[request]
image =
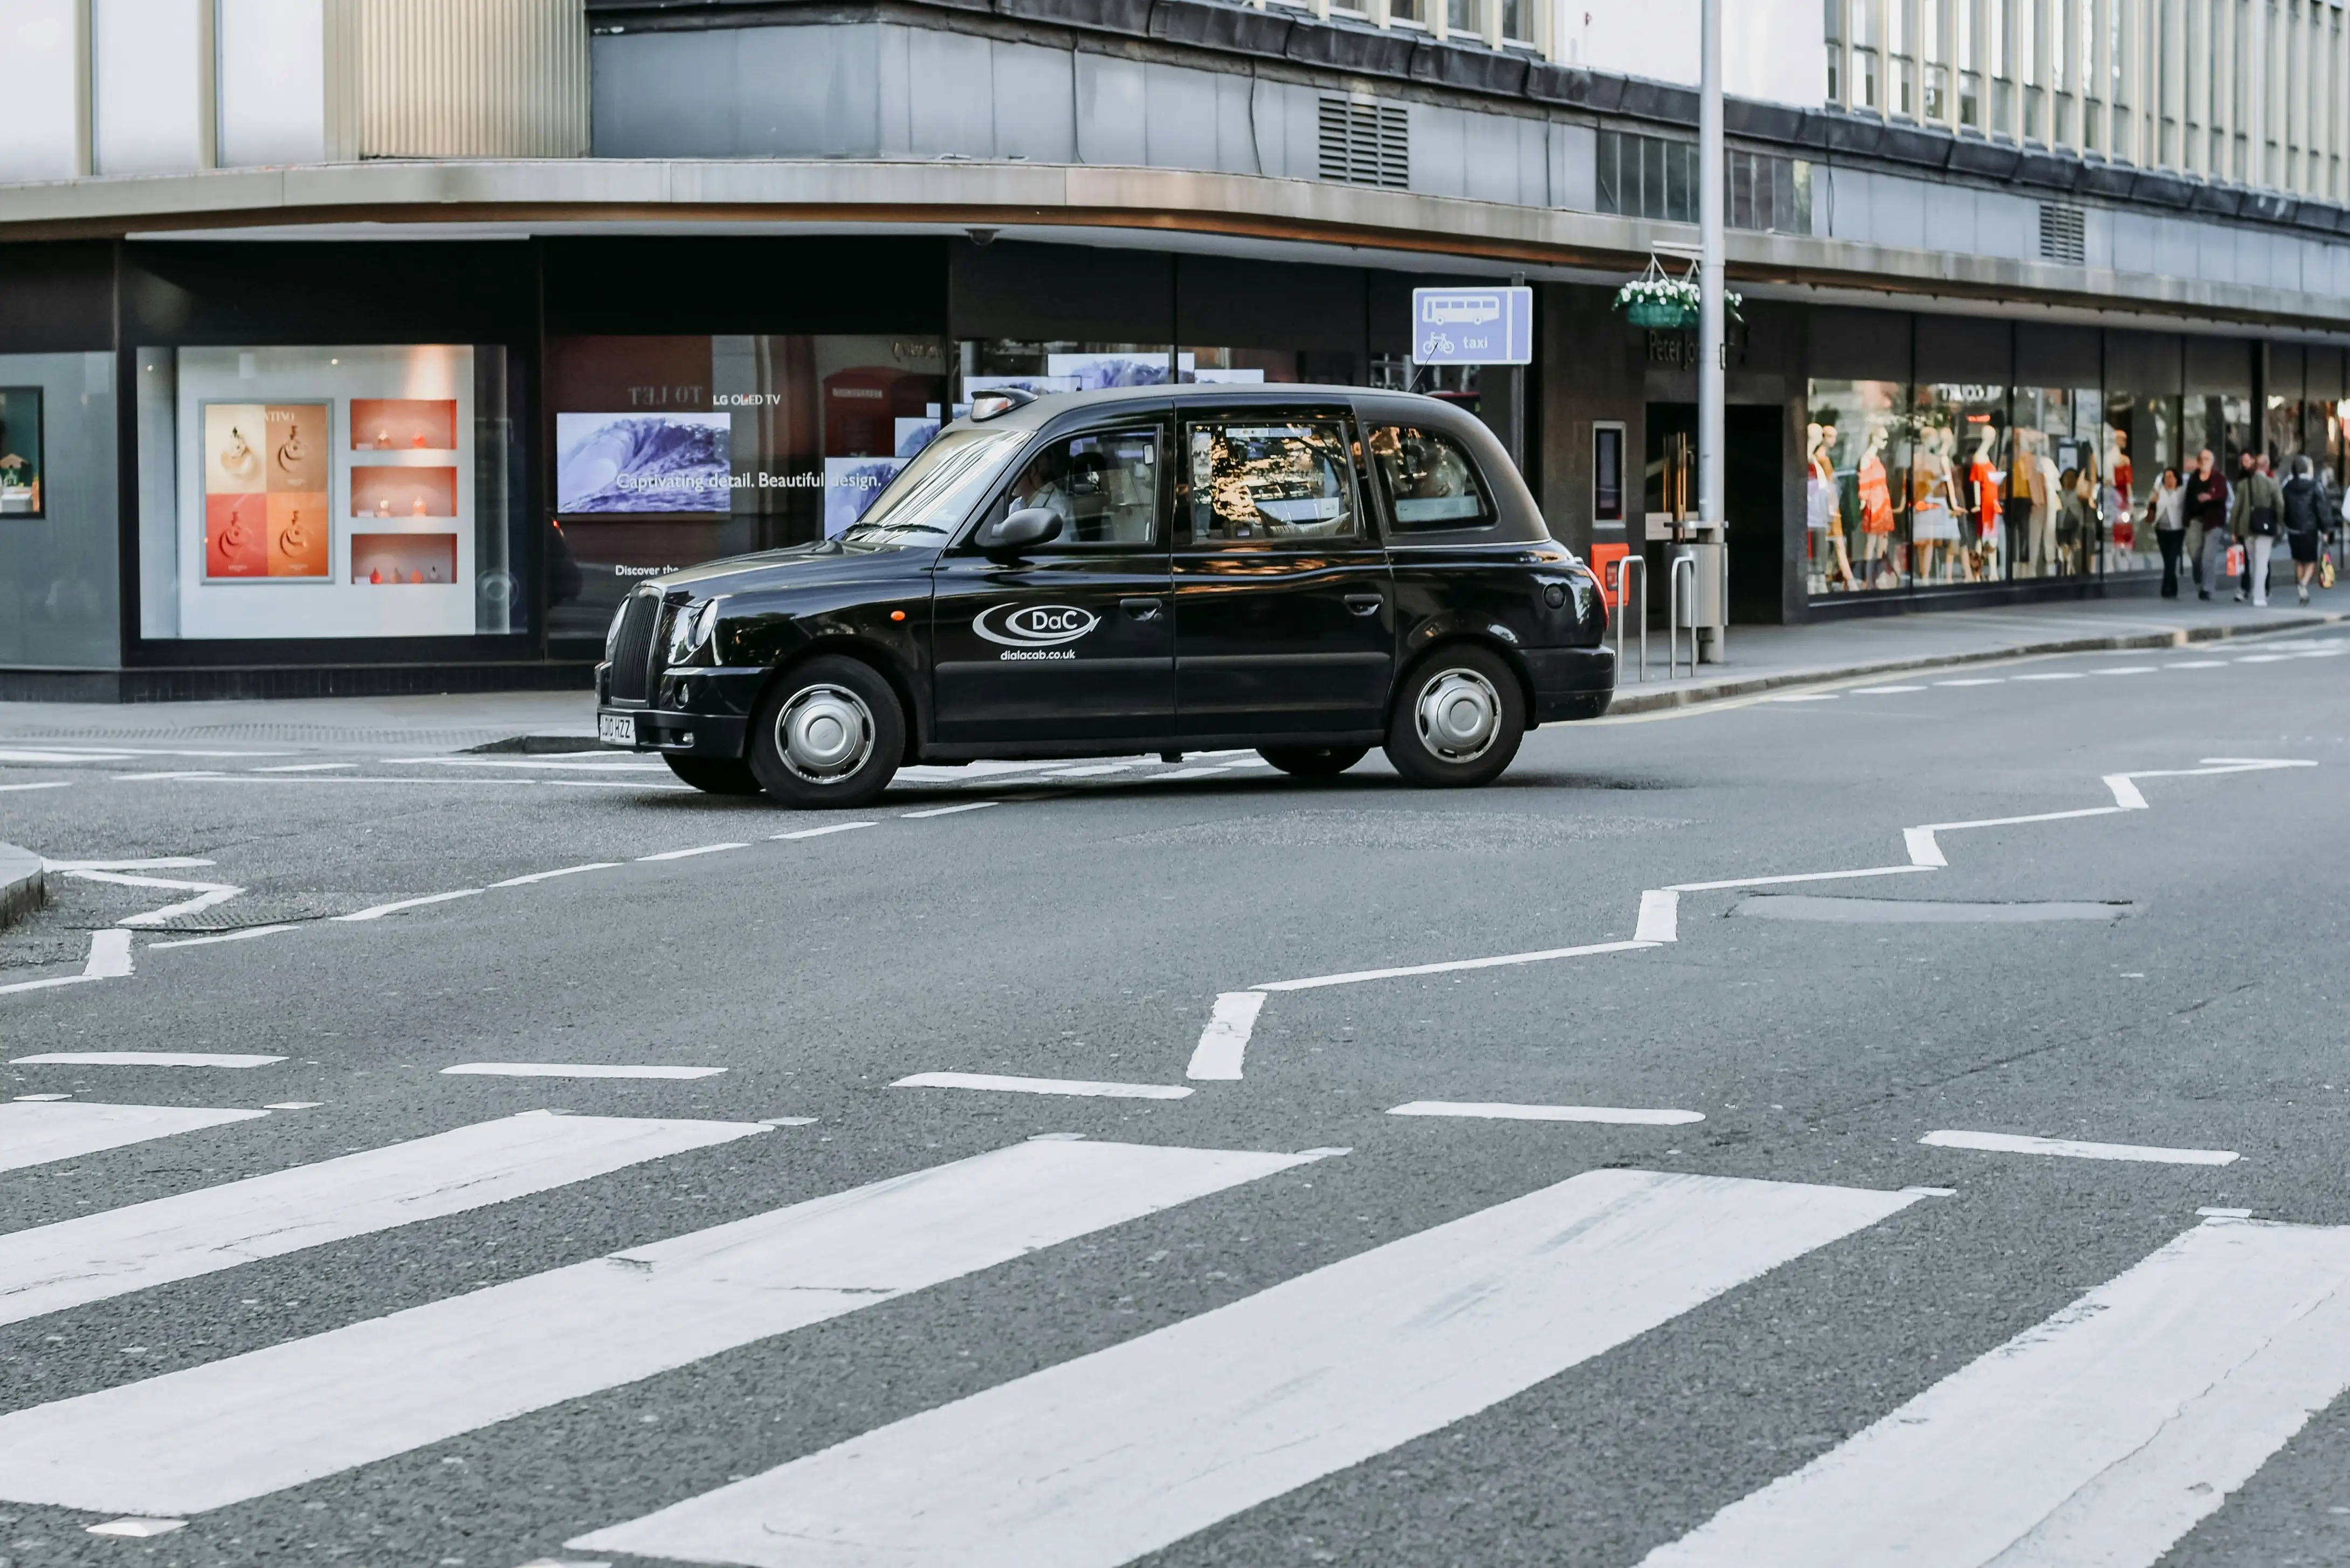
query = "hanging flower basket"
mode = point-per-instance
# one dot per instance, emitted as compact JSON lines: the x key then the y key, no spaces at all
{"x":1665,"y":304}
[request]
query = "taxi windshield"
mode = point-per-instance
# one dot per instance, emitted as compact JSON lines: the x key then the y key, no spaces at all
{"x":936,"y":490}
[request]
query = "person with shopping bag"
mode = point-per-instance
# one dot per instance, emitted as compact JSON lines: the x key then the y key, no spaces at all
{"x":2305,"y":519}
{"x":2256,"y":520}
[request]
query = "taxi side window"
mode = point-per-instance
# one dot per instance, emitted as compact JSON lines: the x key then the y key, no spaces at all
{"x":1104,"y":485}
{"x":1432,"y":487}
{"x":1269,"y":480}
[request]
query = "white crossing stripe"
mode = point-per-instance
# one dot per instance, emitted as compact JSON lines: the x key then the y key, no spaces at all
{"x":147,"y":1058}
{"x":1495,"y":1110}
{"x":377,"y":911}
{"x":689,"y":854}
{"x":253,"y":1423}
{"x":1105,"y":1459}
{"x":948,"y":810}
{"x":75,"y":1261}
{"x":1042,"y":1085}
{"x":2072,"y":1148}
{"x":1223,"y":1044}
{"x":2102,"y":1436}
{"x":38,"y":1132}
{"x":570,"y":1070}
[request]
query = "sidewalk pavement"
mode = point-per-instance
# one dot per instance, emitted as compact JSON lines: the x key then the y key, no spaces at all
{"x":1761,"y":659}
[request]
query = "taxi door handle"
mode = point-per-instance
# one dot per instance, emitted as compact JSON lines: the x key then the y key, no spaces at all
{"x":1365,"y":604}
{"x":1142,"y":608}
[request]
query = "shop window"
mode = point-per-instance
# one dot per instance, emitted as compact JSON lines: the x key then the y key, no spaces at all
{"x":1431,"y":487}
{"x":671,"y":451}
{"x":327,"y":491}
{"x":1271,"y":480}
{"x":1856,"y":513}
{"x":2142,"y":439}
{"x":1648,"y":176}
{"x":20,"y":452}
{"x":1772,"y":194}
{"x":2059,"y":442}
{"x":1957,"y":512}
{"x":60,"y":574}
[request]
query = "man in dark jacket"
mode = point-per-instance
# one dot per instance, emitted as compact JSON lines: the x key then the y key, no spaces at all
{"x":2257,"y":517}
{"x":2207,"y":510}
{"x":2304,"y":517}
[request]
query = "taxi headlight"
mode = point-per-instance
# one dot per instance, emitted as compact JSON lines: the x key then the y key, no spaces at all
{"x":690,"y":630}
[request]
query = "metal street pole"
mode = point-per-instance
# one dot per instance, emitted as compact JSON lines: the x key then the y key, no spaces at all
{"x":1712,"y":356}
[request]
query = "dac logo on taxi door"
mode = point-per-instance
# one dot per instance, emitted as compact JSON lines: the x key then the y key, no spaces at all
{"x":1035,"y":631}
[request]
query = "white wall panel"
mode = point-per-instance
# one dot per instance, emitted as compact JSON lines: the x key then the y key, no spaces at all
{"x":2007,"y":225}
{"x":948,"y":79}
{"x":1179,"y":118}
{"x":1775,"y":50}
{"x":1439,"y":155}
{"x":1112,"y":104}
{"x":41,"y":107}
{"x":1036,"y":103}
{"x":151,"y":109}
{"x":272,"y":91}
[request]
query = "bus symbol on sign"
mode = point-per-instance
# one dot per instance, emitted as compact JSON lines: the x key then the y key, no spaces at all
{"x":1473,"y":325}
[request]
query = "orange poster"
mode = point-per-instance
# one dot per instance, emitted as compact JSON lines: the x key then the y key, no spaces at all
{"x":236,"y":536}
{"x":296,"y":456}
{"x":297,"y":535}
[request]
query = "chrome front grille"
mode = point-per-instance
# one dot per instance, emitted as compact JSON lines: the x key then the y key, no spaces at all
{"x":632,"y":649}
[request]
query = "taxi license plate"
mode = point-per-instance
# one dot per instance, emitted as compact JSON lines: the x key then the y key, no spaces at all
{"x":617,"y":729}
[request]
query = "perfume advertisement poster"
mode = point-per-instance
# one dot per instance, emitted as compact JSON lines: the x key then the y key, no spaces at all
{"x":850,"y":486}
{"x":403,"y":425}
{"x":643,"y":463}
{"x":407,"y":560}
{"x":234,"y":437}
{"x":298,"y":534}
{"x":20,"y":452}
{"x":236,"y":536}
{"x":297,"y":461}
{"x":404,"y":492}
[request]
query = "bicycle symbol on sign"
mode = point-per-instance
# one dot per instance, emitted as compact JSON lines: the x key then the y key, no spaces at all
{"x":1435,"y":345}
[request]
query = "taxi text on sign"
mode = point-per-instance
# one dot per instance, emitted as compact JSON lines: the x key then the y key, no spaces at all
{"x":1473,"y":325}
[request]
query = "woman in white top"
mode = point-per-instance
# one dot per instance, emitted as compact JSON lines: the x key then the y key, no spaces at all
{"x":2169,"y":526}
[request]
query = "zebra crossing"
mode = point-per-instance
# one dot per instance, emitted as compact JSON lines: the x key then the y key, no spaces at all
{"x":2103,"y":1435}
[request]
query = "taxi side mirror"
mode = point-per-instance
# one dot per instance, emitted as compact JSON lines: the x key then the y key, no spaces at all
{"x":1024,"y":530}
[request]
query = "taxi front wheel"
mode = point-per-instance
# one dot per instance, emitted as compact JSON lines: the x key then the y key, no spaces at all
{"x":1459,"y":718}
{"x":829,"y":734}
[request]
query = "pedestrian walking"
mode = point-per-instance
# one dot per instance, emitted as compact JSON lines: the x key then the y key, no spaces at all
{"x":2256,"y":519}
{"x":2170,"y":510}
{"x":2304,"y":521}
{"x":2207,"y":515}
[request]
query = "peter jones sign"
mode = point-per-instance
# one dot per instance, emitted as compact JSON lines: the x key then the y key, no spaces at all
{"x":1473,"y":325}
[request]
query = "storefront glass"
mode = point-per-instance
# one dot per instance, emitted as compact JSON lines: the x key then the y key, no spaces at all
{"x":2142,"y":440}
{"x":1956,"y":519}
{"x":1858,"y":441}
{"x":59,"y":582}
{"x":353,"y":490}
{"x":670,"y":450}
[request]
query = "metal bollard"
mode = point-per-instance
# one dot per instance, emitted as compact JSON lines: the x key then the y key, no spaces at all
{"x":1675,"y":606}
{"x":1623,"y":564}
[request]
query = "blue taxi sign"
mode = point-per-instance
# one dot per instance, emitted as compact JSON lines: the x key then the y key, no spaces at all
{"x":1493,"y":325}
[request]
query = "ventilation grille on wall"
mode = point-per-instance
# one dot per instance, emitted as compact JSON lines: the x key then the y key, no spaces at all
{"x":2060,"y":233}
{"x":1366,"y":143}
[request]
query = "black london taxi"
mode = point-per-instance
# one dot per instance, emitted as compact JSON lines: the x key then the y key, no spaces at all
{"x":1306,"y":571}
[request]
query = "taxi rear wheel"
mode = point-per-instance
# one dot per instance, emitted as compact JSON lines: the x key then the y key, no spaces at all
{"x":829,"y":733}
{"x":1459,"y":717}
{"x":1313,"y":762}
{"x":713,"y":776}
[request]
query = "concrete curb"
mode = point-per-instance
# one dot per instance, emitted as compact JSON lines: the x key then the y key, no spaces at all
{"x":534,"y":745}
{"x":1630,"y":699}
{"x":23,"y":887}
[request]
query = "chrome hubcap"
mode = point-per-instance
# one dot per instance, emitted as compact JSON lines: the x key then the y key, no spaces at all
{"x":824,"y":733}
{"x":1458,"y":714}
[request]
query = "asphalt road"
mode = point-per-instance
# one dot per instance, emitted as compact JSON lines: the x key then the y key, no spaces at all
{"x":1459,"y":1338}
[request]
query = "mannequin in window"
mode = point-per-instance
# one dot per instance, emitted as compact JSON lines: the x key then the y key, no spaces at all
{"x":2047,"y":500}
{"x":2120,"y":517}
{"x":1824,"y":509}
{"x":2022,"y":468}
{"x":1934,"y":507}
{"x":1983,"y":486}
{"x":1875,"y":514}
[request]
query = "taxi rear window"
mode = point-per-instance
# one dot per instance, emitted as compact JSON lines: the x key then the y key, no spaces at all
{"x":1270,"y":479}
{"x":1431,"y":486}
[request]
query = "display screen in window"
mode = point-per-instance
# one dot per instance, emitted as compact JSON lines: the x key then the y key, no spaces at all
{"x":20,"y":452}
{"x":1431,"y":484}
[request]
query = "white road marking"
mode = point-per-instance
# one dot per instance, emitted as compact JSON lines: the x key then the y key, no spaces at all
{"x":1099,"y":1460}
{"x":2052,"y":675}
{"x":571,"y":1070}
{"x":2264,"y":658}
{"x":820,"y":832}
{"x":306,"y":767}
{"x":1806,"y":697}
{"x":249,"y":1425}
{"x":75,"y":1262}
{"x":110,"y":955}
{"x":1042,"y":1085}
{"x":207,"y":893}
{"x":1794,"y":877}
{"x":1225,"y":1042}
{"x":551,"y":763}
{"x":1660,"y":916}
{"x":185,"y":773}
{"x":1976,"y":681}
{"x":136,"y":1529}
{"x":2102,"y":1436}
{"x":2196,"y":664}
{"x":148,"y":1058}
{"x":243,"y":936}
{"x":377,"y":911}
{"x":54,"y":783}
{"x":47,"y":1129}
{"x":294,"y":1106}
{"x":21,"y":754}
{"x":612,"y":784}
{"x":1544,"y":956}
{"x":162,"y":862}
{"x":2127,"y":669}
{"x":1190,"y":773}
{"x":2072,"y":1148}
{"x":68,"y":1095}
{"x":690,"y":854}
{"x":562,"y":871}
{"x":1882,"y":691}
{"x":948,"y":810}
{"x":1495,"y":1110}
{"x":1096,"y":771}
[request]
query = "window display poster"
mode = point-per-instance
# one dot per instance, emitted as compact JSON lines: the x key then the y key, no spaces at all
{"x":850,"y":486}
{"x":402,"y":424}
{"x":266,"y":477}
{"x":20,"y":452}
{"x":643,"y":463}
{"x":407,"y":491}
{"x":410,"y":560}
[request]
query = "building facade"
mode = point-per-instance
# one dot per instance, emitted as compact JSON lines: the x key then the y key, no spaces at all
{"x":357,"y":345}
